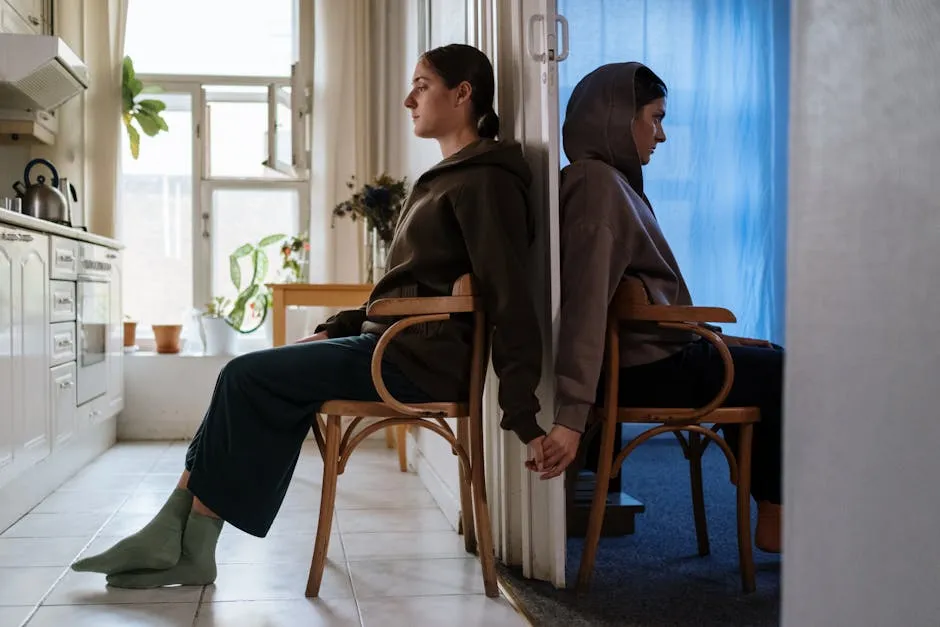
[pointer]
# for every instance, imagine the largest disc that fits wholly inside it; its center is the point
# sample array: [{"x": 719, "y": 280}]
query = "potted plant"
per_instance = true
[
  {"x": 167, "y": 337},
  {"x": 130, "y": 332},
  {"x": 254, "y": 299},
  {"x": 294, "y": 258},
  {"x": 145, "y": 111},
  {"x": 217, "y": 333},
  {"x": 379, "y": 204}
]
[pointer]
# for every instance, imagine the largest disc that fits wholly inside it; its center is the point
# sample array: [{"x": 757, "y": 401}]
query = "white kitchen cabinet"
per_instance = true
[
  {"x": 115, "y": 339},
  {"x": 24, "y": 268},
  {"x": 27, "y": 17},
  {"x": 62, "y": 393}
]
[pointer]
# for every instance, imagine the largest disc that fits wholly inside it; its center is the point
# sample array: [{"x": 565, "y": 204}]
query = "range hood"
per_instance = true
[{"x": 38, "y": 72}]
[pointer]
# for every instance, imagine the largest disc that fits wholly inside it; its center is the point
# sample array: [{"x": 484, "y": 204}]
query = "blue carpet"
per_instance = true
[{"x": 655, "y": 576}]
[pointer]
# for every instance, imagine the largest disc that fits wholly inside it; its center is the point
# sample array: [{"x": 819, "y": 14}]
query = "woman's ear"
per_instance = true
[{"x": 464, "y": 91}]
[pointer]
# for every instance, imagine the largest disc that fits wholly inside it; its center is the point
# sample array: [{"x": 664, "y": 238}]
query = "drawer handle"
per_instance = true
[
  {"x": 66, "y": 258},
  {"x": 111, "y": 255},
  {"x": 96, "y": 412},
  {"x": 34, "y": 20},
  {"x": 26, "y": 237},
  {"x": 63, "y": 345},
  {"x": 64, "y": 385},
  {"x": 64, "y": 300},
  {"x": 11, "y": 237}
]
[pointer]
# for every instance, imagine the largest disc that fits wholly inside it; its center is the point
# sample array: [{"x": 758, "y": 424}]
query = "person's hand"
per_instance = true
[
  {"x": 560, "y": 448},
  {"x": 316, "y": 337},
  {"x": 534, "y": 460},
  {"x": 733, "y": 340}
]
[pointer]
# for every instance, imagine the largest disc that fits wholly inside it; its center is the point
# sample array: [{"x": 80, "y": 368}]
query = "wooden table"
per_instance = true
[{"x": 347, "y": 295}]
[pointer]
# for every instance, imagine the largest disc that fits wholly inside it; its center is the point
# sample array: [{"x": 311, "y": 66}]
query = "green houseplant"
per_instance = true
[
  {"x": 253, "y": 294},
  {"x": 144, "y": 111}
]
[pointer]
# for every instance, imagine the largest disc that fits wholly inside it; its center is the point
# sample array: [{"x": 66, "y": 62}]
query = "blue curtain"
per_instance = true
[{"x": 718, "y": 185}]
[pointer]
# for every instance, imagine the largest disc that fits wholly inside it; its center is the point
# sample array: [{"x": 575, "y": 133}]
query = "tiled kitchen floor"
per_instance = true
[{"x": 393, "y": 560}]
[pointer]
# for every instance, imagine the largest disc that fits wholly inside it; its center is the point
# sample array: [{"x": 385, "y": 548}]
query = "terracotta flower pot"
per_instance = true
[
  {"x": 167, "y": 337},
  {"x": 130, "y": 334}
]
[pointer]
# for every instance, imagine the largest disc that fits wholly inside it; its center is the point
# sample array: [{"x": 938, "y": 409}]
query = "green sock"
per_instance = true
[
  {"x": 196, "y": 566},
  {"x": 157, "y": 545}
]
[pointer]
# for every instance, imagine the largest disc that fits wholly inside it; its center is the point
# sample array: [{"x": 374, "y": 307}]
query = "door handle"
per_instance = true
[
  {"x": 530, "y": 44},
  {"x": 561, "y": 20}
]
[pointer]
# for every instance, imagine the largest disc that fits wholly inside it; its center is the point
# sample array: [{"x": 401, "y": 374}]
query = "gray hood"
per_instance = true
[{"x": 598, "y": 121}]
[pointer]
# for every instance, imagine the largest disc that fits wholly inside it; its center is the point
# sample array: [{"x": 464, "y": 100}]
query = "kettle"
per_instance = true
[{"x": 40, "y": 200}]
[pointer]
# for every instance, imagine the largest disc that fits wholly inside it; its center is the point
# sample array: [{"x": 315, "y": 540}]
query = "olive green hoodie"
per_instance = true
[
  {"x": 467, "y": 214},
  {"x": 608, "y": 230}
]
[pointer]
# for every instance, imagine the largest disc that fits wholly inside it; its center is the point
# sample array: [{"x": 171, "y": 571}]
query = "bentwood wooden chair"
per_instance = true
[
  {"x": 631, "y": 307},
  {"x": 337, "y": 444}
]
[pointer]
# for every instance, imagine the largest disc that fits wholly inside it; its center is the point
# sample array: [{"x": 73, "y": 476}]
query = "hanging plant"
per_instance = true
[{"x": 145, "y": 111}]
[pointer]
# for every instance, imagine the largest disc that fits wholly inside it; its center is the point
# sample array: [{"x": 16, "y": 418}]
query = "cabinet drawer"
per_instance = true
[
  {"x": 62, "y": 393},
  {"x": 62, "y": 307},
  {"x": 92, "y": 412},
  {"x": 63, "y": 256},
  {"x": 62, "y": 343}
]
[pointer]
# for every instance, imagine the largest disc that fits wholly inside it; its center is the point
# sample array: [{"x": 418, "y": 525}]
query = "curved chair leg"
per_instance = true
[
  {"x": 696, "y": 448},
  {"x": 466, "y": 495},
  {"x": 327, "y": 501},
  {"x": 745, "y": 550},
  {"x": 599, "y": 502},
  {"x": 481, "y": 509},
  {"x": 401, "y": 441}
]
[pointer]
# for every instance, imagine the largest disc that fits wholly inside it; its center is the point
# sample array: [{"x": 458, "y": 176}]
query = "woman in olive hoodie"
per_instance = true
[
  {"x": 467, "y": 214},
  {"x": 613, "y": 124}
]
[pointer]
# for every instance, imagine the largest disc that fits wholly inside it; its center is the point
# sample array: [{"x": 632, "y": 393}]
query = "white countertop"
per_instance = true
[{"x": 35, "y": 224}]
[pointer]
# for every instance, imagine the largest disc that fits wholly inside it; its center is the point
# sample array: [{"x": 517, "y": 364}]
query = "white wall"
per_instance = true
[{"x": 862, "y": 433}]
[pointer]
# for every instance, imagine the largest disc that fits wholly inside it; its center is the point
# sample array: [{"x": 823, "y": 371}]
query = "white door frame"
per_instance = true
[{"x": 528, "y": 514}]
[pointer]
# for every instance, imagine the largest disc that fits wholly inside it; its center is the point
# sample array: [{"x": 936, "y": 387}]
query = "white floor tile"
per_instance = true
[
  {"x": 268, "y": 582},
  {"x": 379, "y": 520},
  {"x": 240, "y": 548},
  {"x": 160, "y": 482},
  {"x": 21, "y": 586},
  {"x": 92, "y": 589},
  {"x": 56, "y": 526},
  {"x": 20, "y": 552},
  {"x": 154, "y": 615},
  {"x": 454, "y": 611},
  {"x": 403, "y": 578},
  {"x": 170, "y": 464},
  {"x": 296, "y": 521},
  {"x": 391, "y": 480},
  {"x": 103, "y": 481},
  {"x": 81, "y": 502},
  {"x": 308, "y": 612},
  {"x": 124, "y": 524},
  {"x": 384, "y": 499},
  {"x": 145, "y": 502},
  {"x": 371, "y": 546},
  {"x": 14, "y": 616},
  {"x": 128, "y": 464}
]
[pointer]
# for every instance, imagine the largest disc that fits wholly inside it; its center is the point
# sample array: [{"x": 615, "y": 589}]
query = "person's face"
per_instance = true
[
  {"x": 648, "y": 129},
  {"x": 436, "y": 111}
]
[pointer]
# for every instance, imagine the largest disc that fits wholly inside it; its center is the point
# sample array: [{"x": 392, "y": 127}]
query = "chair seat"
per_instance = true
[
  {"x": 656, "y": 415},
  {"x": 381, "y": 410}
]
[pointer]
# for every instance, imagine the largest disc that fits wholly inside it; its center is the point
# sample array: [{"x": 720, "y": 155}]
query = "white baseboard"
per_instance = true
[
  {"x": 26, "y": 491},
  {"x": 443, "y": 495}
]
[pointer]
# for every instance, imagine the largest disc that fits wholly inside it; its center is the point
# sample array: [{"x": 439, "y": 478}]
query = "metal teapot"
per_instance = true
[{"x": 41, "y": 200}]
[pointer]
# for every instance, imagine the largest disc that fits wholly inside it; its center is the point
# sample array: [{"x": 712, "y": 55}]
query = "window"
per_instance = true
[
  {"x": 230, "y": 170},
  {"x": 212, "y": 37}
]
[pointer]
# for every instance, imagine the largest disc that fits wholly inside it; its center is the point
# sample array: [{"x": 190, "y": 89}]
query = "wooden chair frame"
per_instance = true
[
  {"x": 630, "y": 307},
  {"x": 336, "y": 446}
]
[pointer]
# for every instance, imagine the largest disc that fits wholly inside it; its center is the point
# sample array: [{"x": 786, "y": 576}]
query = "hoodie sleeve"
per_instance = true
[
  {"x": 493, "y": 217},
  {"x": 593, "y": 261},
  {"x": 344, "y": 323}
]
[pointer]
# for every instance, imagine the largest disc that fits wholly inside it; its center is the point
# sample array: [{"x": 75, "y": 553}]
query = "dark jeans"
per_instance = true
[
  {"x": 693, "y": 376},
  {"x": 243, "y": 456}
]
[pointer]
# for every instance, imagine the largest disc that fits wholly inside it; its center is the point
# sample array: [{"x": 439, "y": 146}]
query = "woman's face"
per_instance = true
[
  {"x": 648, "y": 129},
  {"x": 436, "y": 111}
]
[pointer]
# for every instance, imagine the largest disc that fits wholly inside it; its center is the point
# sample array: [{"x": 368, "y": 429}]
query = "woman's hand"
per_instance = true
[
  {"x": 733, "y": 340},
  {"x": 316, "y": 337},
  {"x": 534, "y": 460},
  {"x": 559, "y": 449}
]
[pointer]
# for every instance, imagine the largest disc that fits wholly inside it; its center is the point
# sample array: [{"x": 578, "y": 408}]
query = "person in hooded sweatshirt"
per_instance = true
[
  {"x": 613, "y": 124},
  {"x": 467, "y": 214}
]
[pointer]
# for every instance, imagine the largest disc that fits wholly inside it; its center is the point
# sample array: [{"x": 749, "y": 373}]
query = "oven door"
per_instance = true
[{"x": 93, "y": 312}]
